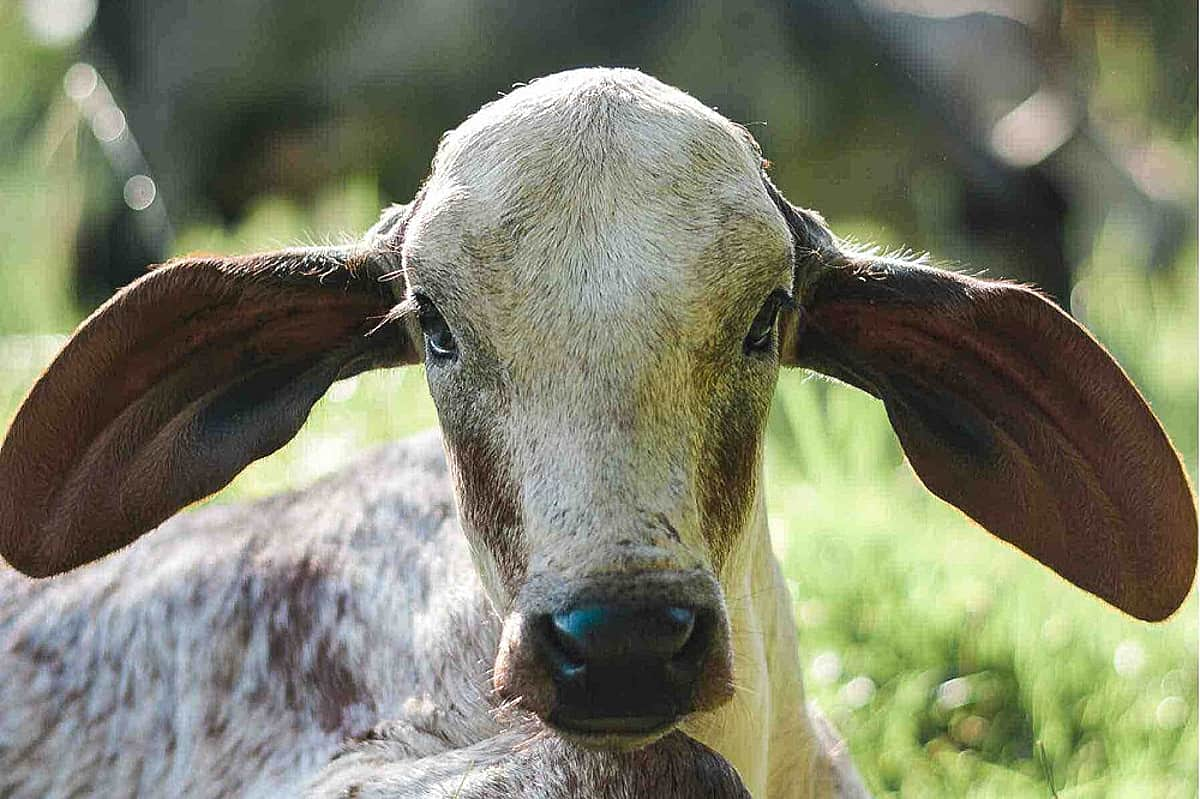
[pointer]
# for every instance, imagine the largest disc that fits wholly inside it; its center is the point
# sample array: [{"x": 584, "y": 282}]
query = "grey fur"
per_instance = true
[
  {"x": 525, "y": 765},
  {"x": 231, "y": 652}
]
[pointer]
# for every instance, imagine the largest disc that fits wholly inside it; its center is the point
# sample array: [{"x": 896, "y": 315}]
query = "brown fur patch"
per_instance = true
[
  {"x": 488, "y": 495},
  {"x": 737, "y": 401},
  {"x": 310, "y": 662}
]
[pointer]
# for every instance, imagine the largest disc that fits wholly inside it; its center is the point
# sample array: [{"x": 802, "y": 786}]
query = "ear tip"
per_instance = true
[
  {"x": 30, "y": 548},
  {"x": 29, "y": 564},
  {"x": 1158, "y": 612},
  {"x": 1179, "y": 579},
  {"x": 1160, "y": 600}
]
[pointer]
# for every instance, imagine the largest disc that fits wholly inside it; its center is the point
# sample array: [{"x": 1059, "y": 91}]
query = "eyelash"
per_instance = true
[
  {"x": 439, "y": 339},
  {"x": 761, "y": 336}
]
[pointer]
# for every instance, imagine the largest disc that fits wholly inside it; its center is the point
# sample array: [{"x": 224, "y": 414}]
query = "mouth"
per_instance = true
[
  {"x": 610, "y": 664},
  {"x": 616, "y": 732}
]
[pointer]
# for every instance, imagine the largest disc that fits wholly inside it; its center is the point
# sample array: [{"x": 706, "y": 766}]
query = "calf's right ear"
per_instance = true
[{"x": 176, "y": 384}]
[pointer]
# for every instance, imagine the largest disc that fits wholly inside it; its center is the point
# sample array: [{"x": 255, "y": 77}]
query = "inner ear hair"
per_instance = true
[{"x": 176, "y": 384}]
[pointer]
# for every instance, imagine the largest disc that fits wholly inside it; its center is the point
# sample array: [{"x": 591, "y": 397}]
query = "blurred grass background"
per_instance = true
[{"x": 953, "y": 665}]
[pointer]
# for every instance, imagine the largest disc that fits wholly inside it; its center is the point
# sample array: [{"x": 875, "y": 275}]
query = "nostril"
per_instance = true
[
  {"x": 690, "y": 656},
  {"x": 575, "y": 631},
  {"x": 606, "y": 632},
  {"x": 678, "y": 630},
  {"x": 684, "y": 619}
]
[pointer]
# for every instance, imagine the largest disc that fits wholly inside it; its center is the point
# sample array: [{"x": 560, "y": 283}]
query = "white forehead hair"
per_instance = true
[
  {"x": 599, "y": 243},
  {"x": 597, "y": 191},
  {"x": 591, "y": 116}
]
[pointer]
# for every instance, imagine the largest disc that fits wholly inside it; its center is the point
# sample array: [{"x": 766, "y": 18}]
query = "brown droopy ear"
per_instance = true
[
  {"x": 1009, "y": 410},
  {"x": 174, "y": 386}
]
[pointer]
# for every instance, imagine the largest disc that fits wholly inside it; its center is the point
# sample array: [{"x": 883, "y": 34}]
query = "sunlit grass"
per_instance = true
[
  {"x": 955, "y": 665},
  {"x": 951, "y": 661}
]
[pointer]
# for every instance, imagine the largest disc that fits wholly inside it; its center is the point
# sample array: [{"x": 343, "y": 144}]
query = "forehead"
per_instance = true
[{"x": 600, "y": 191}]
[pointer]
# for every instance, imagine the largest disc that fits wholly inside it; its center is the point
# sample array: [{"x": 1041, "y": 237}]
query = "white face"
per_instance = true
[{"x": 599, "y": 246}]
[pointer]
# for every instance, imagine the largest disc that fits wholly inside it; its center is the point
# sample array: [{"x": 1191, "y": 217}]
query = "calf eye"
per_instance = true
[
  {"x": 438, "y": 337},
  {"x": 762, "y": 329}
]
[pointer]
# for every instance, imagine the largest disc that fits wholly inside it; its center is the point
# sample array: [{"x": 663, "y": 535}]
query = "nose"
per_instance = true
[
  {"x": 624, "y": 669},
  {"x": 605, "y": 632}
]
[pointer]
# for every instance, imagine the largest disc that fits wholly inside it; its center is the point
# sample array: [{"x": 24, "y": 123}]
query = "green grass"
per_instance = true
[{"x": 955, "y": 665}]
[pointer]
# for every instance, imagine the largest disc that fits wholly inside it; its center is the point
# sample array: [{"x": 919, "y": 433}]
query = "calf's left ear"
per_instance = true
[{"x": 1011, "y": 411}]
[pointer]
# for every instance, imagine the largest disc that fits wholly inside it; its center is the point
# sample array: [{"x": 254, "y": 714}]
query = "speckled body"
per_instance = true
[
  {"x": 239, "y": 649},
  {"x": 233, "y": 651}
]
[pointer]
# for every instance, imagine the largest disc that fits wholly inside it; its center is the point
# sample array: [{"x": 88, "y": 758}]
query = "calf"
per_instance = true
[{"x": 602, "y": 284}]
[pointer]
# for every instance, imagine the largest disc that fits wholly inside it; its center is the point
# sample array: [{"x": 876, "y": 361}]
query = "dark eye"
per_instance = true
[
  {"x": 762, "y": 329},
  {"x": 437, "y": 333}
]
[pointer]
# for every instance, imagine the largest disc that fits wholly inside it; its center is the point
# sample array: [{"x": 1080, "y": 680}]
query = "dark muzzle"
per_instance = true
[{"x": 624, "y": 669}]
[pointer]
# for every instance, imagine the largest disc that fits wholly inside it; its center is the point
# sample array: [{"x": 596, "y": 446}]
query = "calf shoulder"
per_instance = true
[
  {"x": 234, "y": 649},
  {"x": 522, "y": 763}
]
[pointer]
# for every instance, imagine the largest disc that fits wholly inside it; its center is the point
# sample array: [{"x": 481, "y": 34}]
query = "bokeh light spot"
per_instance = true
[
  {"x": 80, "y": 81},
  {"x": 826, "y": 668},
  {"x": 1171, "y": 713},
  {"x": 59, "y": 22},
  {"x": 1129, "y": 658},
  {"x": 108, "y": 124},
  {"x": 858, "y": 692},
  {"x": 139, "y": 192},
  {"x": 954, "y": 693}
]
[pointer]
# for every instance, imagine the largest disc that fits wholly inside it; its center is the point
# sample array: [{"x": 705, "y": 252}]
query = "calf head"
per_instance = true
[{"x": 602, "y": 284}]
